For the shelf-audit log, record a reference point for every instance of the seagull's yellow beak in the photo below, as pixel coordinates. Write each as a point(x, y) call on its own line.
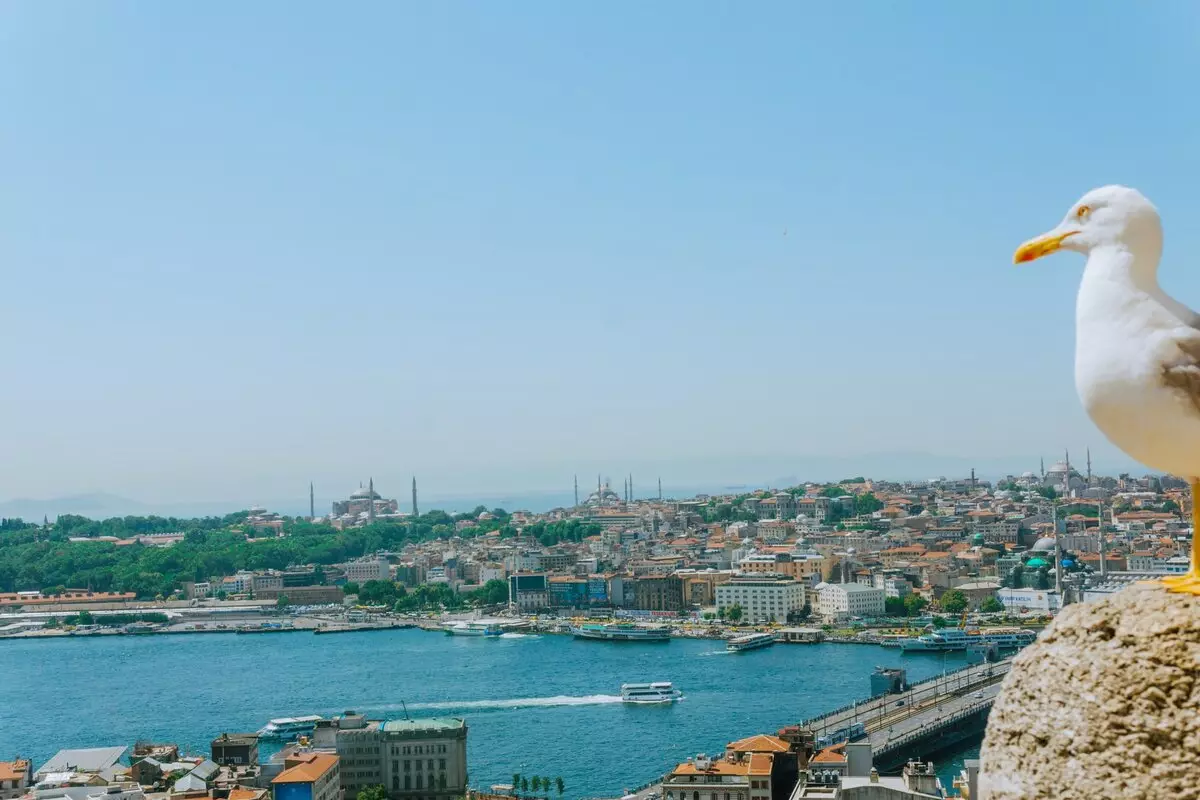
point(1043, 245)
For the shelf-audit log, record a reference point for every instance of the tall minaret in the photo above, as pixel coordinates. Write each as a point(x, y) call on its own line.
point(1042, 467)
point(1100, 532)
point(660, 490)
point(1057, 552)
point(371, 500)
point(631, 487)
point(415, 513)
point(577, 491)
point(972, 479)
point(312, 505)
point(1089, 466)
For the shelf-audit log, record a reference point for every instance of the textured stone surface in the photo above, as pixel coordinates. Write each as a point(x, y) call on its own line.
point(1106, 704)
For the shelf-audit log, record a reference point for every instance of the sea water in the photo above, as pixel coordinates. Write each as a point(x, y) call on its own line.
point(539, 705)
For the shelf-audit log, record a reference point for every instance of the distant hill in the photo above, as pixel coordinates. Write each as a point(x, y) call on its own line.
point(103, 506)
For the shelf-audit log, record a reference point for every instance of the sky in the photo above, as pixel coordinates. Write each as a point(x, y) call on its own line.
point(494, 245)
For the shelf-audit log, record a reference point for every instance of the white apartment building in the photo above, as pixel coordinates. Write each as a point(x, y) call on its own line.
point(763, 598)
point(367, 569)
point(840, 601)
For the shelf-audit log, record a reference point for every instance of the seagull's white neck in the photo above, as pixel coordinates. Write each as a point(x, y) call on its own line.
point(1121, 274)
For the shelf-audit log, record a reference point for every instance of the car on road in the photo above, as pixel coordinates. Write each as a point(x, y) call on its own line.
point(899, 703)
point(978, 695)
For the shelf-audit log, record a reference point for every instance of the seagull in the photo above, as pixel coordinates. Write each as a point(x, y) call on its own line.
point(1137, 350)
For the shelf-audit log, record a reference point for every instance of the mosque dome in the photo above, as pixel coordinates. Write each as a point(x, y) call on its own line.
point(1036, 562)
point(978, 539)
point(1044, 545)
point(363, 493)
point(1028, 475)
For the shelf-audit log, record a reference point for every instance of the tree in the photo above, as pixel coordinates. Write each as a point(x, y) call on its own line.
point(221, 594)
point(867, 503)
point(536, 784)
point(350, 587)
point(1041, 578)
point(894, 607)
point(734, 613)
point(991, 605)
point(560, 786)
point(516, 783)
point(545, 784)
point(1015, 578)
point(525, 784)
point(939, 621)
point(914, 603)
point(85, 618)
point(281, 603)
point(376, 792)
point(1047, 492)
point(954, 601)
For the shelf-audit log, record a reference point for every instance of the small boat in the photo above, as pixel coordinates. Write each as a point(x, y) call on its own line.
point(750, 641)
point(661, 692)
point(287, 727)
point(622, 632)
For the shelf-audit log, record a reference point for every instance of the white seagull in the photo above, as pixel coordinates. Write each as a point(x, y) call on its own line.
point(1137, 350)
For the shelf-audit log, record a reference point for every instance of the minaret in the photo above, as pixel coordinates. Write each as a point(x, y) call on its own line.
point(414, 512)
point(1057, 553)
point(371, 500)
point(631, 487)
point(1042, 462)
point(1100, 532)
point(972, 479)
point(577, 491)
point(660, 490)
point(1089, 466)
point(312, 505)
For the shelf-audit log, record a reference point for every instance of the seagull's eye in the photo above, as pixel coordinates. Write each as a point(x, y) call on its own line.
point(1083, 211)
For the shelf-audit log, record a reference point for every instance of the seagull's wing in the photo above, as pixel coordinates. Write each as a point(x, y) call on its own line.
point(1183, 371)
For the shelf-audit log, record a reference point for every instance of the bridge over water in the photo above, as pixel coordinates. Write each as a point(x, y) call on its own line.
point(927, 717)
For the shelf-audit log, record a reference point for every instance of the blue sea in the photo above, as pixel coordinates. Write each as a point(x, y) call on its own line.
point(544, 705)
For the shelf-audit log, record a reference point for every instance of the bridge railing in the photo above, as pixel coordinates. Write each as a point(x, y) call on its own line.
point(998, 668)
point(923, 731)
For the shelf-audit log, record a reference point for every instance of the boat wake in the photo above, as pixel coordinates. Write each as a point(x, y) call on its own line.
point(519, 636)
point(715, 653)
point(517, 702)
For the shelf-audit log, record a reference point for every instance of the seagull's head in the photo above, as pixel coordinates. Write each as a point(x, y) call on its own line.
point(1111, 216)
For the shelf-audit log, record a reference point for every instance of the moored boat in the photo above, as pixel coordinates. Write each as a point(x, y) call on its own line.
point(287, 727)
point(621, 632)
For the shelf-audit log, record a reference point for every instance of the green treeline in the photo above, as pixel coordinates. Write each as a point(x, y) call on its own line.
point(36, 556)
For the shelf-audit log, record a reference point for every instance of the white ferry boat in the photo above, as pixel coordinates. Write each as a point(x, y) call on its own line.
point(750, 641)
point(621, 632)
point(461, 628)
point(662, 692)
point(287, 727)
point(958, 639)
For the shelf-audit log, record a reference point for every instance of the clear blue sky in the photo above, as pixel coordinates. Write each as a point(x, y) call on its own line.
point(494, 244)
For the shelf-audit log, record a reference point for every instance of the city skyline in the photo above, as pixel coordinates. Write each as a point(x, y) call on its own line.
point(498, 247)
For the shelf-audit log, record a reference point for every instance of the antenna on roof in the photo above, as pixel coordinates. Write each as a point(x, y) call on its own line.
point(402, 705)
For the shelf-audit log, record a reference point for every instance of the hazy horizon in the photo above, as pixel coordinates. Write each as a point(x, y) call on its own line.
point(246, 247)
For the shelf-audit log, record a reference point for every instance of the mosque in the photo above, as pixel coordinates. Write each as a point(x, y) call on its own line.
point(364, 502)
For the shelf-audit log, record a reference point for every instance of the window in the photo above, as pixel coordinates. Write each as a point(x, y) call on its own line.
point(419, 786)
point(408, 784)
point(407, 765)
point(395, 783)
point(442, 764)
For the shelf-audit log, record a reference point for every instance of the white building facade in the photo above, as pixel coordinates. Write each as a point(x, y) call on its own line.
point(838, 602)
point(762, 598)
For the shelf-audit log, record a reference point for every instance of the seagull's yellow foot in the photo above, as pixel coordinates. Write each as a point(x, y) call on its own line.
point(1188, 583)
